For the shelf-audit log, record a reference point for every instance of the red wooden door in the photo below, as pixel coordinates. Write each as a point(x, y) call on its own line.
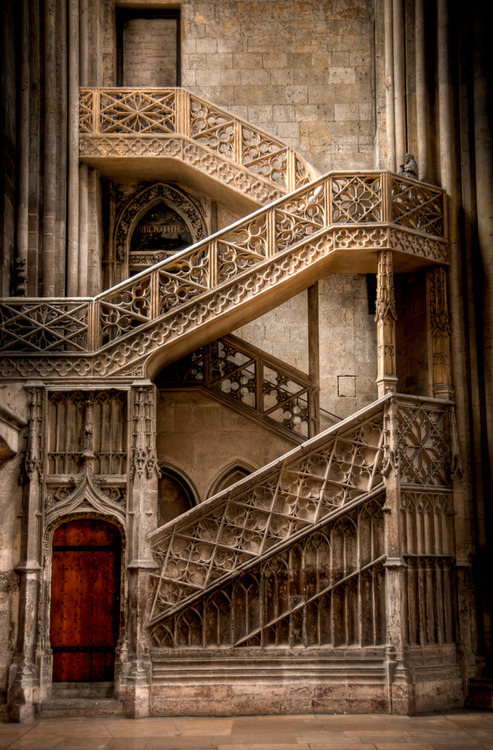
point(85, 600)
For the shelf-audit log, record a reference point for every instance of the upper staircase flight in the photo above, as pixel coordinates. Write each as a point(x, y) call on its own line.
point(338, 223)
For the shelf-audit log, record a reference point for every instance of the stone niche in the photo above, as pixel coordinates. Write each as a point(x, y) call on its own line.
point(148, 47)
point(147, 223)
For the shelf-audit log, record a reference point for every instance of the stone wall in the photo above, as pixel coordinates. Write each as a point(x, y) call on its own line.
point(300, 70)
point(201, 438)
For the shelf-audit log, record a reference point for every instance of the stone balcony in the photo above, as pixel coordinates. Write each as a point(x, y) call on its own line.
point(132, 131)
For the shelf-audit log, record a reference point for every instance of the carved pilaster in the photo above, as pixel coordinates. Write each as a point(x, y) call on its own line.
point(24, 685)
point(88, 446)
point(395, 567)
point(144, 471)
point(439, 333)
point(385, 317)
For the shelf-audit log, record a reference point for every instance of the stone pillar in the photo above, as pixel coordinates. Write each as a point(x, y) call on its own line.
point(142, 510)
point(438, 333)
point(314, 356)
point(23, 693)
point(389, 85)
point(422, 93)
point(399, 81)
point(35, 154)
point(385, 317)
point(73, 259)
point(399, 696)
point(50, 151)
point(80, 263)
point(19, 285)
point(483, 252)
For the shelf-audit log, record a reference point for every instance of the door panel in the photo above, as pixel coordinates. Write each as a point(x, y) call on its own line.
point(85, 600)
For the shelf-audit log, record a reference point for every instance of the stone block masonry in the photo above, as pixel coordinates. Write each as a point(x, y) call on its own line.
point(278, 65)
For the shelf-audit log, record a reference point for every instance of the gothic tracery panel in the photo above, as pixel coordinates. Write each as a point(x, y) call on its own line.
point(318, 592)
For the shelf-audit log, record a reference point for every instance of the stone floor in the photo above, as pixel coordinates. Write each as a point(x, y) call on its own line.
point(457, 730)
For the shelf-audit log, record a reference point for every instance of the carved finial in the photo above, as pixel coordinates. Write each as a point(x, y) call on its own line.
point(409, 168)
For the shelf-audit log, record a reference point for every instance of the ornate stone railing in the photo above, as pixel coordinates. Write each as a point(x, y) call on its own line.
point(274, 253)
point(115, 122)
point(301, 542)
point(252, 380)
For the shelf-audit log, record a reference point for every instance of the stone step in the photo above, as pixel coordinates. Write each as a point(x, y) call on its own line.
point(480, 693)
point(84, 707)
point(82, 690)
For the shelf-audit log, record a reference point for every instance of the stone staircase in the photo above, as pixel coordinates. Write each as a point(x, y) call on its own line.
point(338, 223)
point(267, 552)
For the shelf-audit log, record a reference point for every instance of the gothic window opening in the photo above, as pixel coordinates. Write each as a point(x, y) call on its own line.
point(231, 476)
point(148, 44)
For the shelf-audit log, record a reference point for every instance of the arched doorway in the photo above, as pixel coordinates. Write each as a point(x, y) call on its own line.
point(85, 600)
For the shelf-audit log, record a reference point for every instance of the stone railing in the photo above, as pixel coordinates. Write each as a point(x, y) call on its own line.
point(250, 379)
point(150, 123)
point(300, 544)
point(278, 249)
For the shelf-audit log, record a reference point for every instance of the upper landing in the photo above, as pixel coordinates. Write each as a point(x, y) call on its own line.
point(125, 132)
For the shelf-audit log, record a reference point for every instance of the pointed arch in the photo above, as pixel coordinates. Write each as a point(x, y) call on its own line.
point(136, 208)
point(176, 494)
point(229, 475)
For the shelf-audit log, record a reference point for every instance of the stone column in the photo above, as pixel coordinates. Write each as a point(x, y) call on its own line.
point(389, 85)
point(422, 92)
point(83, 229)
point(450, 166)
point(438, 333)
point(483, 146)
point(35, 155)
point(314, 356)
point(399, 81)
point(385, 317)
point(73, 260)
point(399, 695)
point(23, 691)
point(50, 151)
point(19, 286)
point(142, 510)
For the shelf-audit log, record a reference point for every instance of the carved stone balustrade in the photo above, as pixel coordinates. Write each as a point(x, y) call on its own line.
point(173, 124)
point(338, 224)
point(295, 554)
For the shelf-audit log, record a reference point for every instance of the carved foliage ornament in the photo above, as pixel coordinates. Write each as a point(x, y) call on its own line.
point(88, 495)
